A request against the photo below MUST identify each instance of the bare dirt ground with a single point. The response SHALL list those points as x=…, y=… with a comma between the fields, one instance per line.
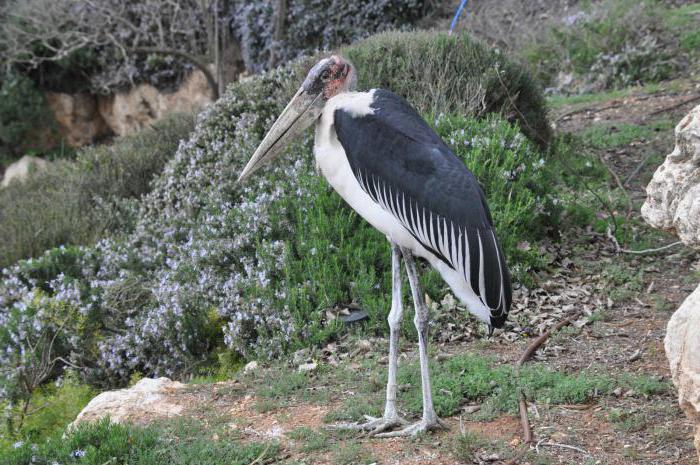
x=625, y=301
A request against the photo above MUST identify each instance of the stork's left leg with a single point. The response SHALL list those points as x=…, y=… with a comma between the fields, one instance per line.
x=430, y=420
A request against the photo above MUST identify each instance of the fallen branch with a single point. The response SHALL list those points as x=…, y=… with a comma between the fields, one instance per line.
x=524, y=421
x=619, y=249
x=564, y=446
x=615, y=104
x=522, y=401
x=534, y=345
x=649, y=251
x=673, y=107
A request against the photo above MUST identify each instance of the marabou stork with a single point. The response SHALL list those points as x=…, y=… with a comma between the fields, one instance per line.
x=397, y=173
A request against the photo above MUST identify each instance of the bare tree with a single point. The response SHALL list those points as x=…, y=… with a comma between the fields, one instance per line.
x=38, y=31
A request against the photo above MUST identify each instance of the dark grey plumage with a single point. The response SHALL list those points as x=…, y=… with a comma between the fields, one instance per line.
x=412, y=174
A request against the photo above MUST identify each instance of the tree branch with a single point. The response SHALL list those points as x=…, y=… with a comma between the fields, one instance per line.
x=191, y=58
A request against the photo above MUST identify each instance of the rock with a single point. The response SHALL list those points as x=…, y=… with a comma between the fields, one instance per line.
x=146, y=401
x=673, y=204
x=673, y=195
x=129, y=112
x=78, y=118
x=250, y=367
x=307, y=367
x=363, y=345
x=20, y=169
x=682, y=344
x=301, y=356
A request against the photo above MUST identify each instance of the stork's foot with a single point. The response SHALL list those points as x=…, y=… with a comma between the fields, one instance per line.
x=416, y=429
x=374, y=425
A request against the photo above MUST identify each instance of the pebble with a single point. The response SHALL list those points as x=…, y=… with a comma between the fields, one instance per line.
x=307, y=367
x=250, y=367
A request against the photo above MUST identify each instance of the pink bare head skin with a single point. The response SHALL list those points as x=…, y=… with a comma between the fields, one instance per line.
x=330, y=76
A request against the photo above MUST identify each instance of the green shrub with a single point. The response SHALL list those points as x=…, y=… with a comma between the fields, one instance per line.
x=103, y=442
x=76, y=202
x=49, y=410
x=441, y=74
x=23, y=109
x=616, y=44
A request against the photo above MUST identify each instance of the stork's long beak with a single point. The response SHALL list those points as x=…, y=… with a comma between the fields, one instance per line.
x=300, y=113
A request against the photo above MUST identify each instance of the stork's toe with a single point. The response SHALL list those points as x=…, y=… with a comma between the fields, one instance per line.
x=415, y=429
x=373, y=425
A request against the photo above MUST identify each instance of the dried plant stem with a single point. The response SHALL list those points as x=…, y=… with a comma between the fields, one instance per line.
x=522, y=401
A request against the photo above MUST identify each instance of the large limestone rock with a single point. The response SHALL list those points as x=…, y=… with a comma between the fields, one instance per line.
x=673, y=204
x=78, y=118
x=147, y=400
x=682, y=345
x=673, y=195
x=20, y=169
x=85, y=118
x=129, y=112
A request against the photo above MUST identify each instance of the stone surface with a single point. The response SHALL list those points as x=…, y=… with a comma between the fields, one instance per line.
x=682, y=344
x=250, y=367
x=673, y=204
x=147, y=400
x=129, y=112
x=78, y=118
x=20, y=169
x=673, y=195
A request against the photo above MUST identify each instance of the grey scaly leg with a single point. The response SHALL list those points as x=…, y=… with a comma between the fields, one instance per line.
x=430, y=420
x=391, y=418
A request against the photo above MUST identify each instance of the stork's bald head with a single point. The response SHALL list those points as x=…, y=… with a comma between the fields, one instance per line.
x=330, y=76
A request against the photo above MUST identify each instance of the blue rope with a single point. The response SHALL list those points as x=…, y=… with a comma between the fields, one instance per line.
x=459, y=12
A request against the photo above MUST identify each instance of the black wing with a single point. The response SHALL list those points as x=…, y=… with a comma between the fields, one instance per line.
x=406, y=167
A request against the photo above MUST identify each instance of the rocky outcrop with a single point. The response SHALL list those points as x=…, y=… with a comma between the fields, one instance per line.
x=673, y=204
x=147, y=400
x=78, y=118
x=673, y=195
x=85, y=118
x=129, y=112
x=20, y=169
x=682, y=345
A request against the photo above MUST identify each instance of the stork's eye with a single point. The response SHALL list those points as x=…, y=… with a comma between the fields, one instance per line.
x=325, y=75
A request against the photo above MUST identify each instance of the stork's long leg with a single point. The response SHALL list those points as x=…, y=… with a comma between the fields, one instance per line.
x=430, y=420
x=391, y=418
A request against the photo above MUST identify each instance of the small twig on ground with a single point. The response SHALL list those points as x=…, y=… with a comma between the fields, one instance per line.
x=619, y=249
x=620, y=185
x=615, y=104
x=638, y=168
x=524, y=420
x=534, y=345
x=613, y=239
x=262, y=454
x=673, y=107
x=522, y=401
x=649, y=251
x=565, y=446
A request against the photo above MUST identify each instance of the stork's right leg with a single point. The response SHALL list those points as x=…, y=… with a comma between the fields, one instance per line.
x=391, y=418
